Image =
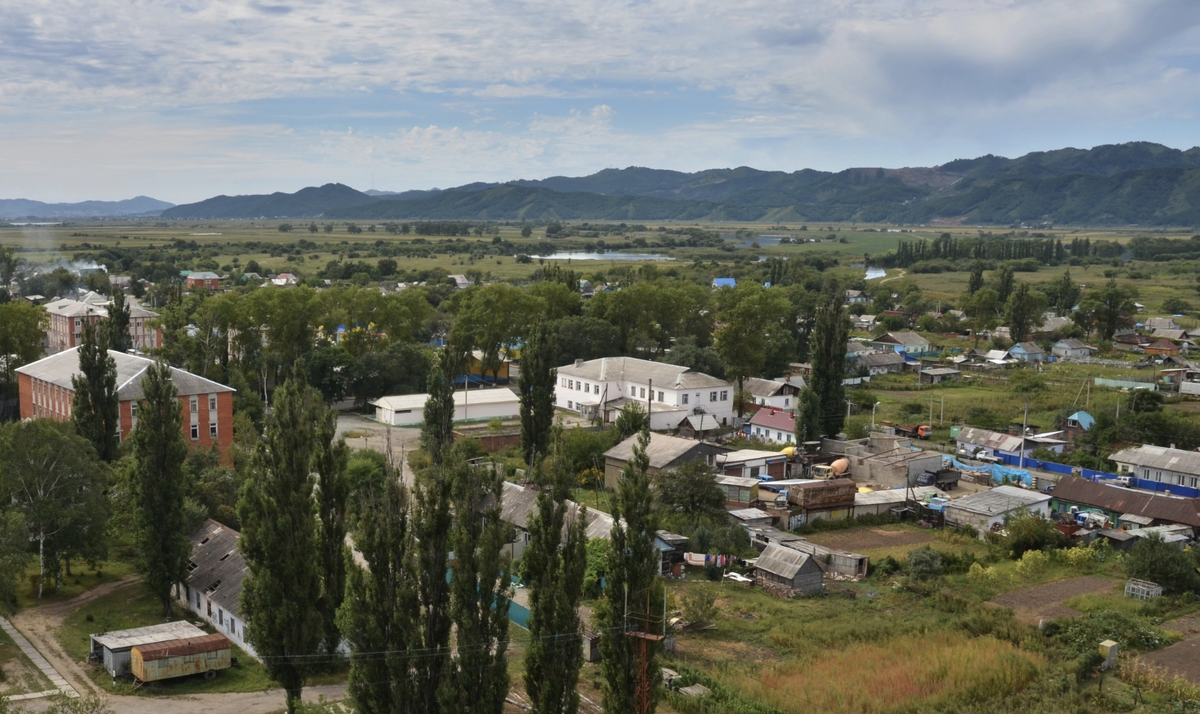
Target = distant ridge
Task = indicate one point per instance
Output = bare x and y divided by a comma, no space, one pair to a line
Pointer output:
13,208
1118,184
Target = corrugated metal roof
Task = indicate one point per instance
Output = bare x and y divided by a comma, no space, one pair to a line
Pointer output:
499,395
217,568
907,338
781,561
894,495
741,456
1118,499
881,359
762,387
179,648
991,439
59,368
774,419
631,369
1001,499
739,481
1156,457
518,505
662,449
127,639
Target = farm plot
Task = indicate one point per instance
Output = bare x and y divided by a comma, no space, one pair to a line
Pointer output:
1045,602
858,540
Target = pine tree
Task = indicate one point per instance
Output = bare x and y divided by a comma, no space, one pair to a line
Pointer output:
830,332
330,463
437,433
95,410
116,327
476,679
279,538
554,560
633,594
159,485
536,387
379,614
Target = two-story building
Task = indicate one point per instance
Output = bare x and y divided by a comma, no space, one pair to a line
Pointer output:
601,387
775,393
46,391
68,318
204,280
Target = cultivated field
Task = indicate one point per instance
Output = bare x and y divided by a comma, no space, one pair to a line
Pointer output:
1045,602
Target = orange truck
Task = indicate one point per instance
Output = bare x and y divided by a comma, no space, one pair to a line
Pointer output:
913,431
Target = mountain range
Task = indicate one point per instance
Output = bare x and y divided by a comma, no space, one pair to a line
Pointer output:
13,208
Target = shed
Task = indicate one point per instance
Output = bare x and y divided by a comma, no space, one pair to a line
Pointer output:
472,404
179,658
990,509
939,374
739,491
114,648
752,517
785,572
698,426
875,503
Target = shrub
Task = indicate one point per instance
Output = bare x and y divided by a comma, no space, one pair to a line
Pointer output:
981,574
699,605
925,563
1081,635
1032,563
1153,559
886,566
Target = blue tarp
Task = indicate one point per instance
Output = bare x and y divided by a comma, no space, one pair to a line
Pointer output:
998,473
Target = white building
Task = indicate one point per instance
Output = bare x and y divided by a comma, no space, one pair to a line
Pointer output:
776,393
1178,467
214,581
601,387
988,509
469,405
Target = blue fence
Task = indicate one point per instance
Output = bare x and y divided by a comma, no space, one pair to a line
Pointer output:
518,615
1094,475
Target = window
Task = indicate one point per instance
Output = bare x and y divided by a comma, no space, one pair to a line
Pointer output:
779,436
212,406
754,471
194,405
724,395
643,394
570,405
212,430
195,432
570,384
786,401
133,415
220,616
685,399
712,396
660,396
587,388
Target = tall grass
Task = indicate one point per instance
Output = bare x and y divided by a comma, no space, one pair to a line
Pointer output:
933,670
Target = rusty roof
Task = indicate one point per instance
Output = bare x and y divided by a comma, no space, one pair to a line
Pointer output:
179,648
1119,499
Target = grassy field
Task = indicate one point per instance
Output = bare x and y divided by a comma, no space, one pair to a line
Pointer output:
84,578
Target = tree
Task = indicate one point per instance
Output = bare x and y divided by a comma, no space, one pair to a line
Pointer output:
14,553
438,431
330,463
1024,312
1145,401
554,561
981,308
95,408
158,486
631,419
526,231
1029,531
1110,307
585,338
633,593
753,326
1067,295
536,388
829,336
329,369
378,616
691,490
58,484
432,525
1176,306
975,282
476,679
279,538
1153,559
1005,282
21,328
116,326
705,360
808,416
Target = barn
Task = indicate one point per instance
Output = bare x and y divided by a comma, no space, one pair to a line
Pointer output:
785,572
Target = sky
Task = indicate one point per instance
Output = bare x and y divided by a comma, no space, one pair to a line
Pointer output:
185,99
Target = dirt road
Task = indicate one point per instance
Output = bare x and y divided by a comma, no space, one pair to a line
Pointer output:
41,624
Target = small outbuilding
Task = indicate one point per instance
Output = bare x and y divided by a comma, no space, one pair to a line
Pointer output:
785,572
114,649
937,375
991,509
179,658
469,405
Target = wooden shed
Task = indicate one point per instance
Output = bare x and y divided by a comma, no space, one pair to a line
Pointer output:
180,658
785,572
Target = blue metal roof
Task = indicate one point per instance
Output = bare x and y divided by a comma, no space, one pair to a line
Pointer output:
1084,419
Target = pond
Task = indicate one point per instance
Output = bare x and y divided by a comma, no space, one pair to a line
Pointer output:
573,255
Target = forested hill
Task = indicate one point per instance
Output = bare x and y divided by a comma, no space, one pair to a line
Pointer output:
1135,183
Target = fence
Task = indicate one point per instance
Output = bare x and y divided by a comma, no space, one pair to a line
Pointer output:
1094,475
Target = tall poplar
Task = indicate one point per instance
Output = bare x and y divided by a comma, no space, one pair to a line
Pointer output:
536,386
431,531
95,409
830,332
437,433
116,326
159,486
554,560
476,679
633,592
279,539
808,416
330,462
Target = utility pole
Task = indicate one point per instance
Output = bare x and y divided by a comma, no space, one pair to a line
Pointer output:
931,411
1118,407
873,406
848,404
942,416
1024,428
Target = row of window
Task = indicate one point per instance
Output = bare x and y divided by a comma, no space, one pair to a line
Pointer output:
779,435
1178,479
639,392
51,400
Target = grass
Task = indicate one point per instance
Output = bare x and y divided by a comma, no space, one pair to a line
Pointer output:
135,606
84,578
17,673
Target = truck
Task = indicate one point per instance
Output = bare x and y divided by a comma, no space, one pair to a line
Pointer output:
914,431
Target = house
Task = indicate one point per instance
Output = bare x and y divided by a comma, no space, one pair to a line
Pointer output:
739,491
1052,323
998,357
937,375
974,442
1160,323
114,649
724,283
1160,464
774,393
665,452
785,572
698,426
1172,335
856,297
1128,508
882,363
284,280
474,372
1027,352
1076,424
47,390
857,348
213,584
1070,348
906,342
988,510
866,323
752,463
469,405
518,506
68,317
601,387
841,562
461,282
772,425
1161,347
1131,342
204,280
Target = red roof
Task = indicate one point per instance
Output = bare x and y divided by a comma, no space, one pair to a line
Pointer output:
179,648
774,419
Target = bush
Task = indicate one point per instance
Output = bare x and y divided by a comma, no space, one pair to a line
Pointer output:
1029,531
1032,563
887,565
925,563
1153,559
1081,635
699,605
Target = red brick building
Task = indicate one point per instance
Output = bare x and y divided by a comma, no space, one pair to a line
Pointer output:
67,318
210,281
46,391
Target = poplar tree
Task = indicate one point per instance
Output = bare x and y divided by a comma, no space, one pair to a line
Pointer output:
976,280
830,332
116,327
431,531
476,679
379,615
808,416
330,462
554,560
95,409
536,386
633,594
159,486
279,537
438,431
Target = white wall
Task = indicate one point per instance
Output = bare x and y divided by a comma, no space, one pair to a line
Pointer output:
222,621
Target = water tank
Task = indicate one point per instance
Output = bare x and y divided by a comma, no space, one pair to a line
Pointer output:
840,466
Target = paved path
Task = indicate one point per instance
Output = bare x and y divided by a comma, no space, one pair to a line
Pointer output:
62,687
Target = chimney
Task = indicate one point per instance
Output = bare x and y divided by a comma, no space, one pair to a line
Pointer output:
578,362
